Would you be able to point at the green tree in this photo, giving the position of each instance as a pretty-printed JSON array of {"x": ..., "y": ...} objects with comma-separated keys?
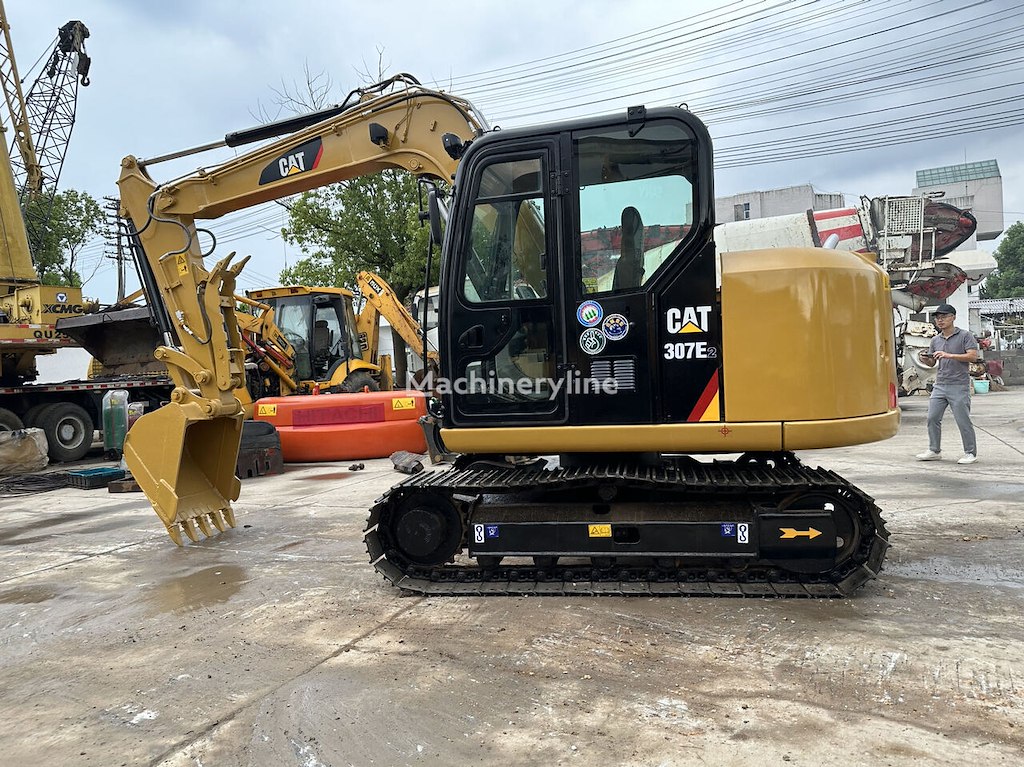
[
  {"x": 366, "y": 223},
  {"x": 74, "y": 220},
  {"x": 1007, "y": 281}
]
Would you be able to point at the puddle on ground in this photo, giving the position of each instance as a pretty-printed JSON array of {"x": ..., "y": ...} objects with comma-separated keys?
[
  {"x": 30, "y": 595},
  {"x": 206, "y": 587}
]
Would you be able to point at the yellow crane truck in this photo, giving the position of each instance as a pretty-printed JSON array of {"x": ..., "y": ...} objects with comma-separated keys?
[{"x": 41, "y": 121}]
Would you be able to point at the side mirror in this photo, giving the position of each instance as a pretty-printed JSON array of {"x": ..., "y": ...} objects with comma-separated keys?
[{"x": 434, "y": 214}]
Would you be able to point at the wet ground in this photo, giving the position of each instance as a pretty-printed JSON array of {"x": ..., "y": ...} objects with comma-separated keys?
[{"x": 277, "y": 644}]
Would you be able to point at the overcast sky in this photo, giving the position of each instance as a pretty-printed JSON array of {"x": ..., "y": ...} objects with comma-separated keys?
[{"x": 922, "y": 83}]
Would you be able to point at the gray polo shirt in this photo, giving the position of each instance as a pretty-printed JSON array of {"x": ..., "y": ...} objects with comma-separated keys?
[{"x": 953, "y": 372}]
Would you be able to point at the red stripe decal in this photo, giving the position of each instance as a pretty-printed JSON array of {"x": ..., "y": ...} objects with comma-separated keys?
[
  {"x": 827, "y": 214},
  {"x": 845, "y": 232},
  {"x": 705, "y": 399}
]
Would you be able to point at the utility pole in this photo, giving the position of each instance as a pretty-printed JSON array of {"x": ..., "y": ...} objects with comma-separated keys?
[{"x": 115, "y": 242}]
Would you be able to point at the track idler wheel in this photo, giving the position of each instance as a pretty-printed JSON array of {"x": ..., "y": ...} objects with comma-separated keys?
[
  {"x": 427, "y": 530},
  {"x": 845, "y": 535}
]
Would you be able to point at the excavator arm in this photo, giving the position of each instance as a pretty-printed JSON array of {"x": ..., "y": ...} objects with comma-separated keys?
[
  {"x": 381, "y": 301},
  {"x": 183, "y": 455}
]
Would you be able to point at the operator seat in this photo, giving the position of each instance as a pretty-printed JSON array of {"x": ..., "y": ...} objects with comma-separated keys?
[
  {"x": 320, "y": 351},
  {"x": 629, "y": 269},
  {"x": 321, "y": 337}
]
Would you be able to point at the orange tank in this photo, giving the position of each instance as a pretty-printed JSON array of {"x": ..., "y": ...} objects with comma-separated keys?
[{"x": 342, "y": 427}]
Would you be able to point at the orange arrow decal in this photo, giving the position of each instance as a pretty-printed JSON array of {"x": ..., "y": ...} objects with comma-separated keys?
[{"x": 790, "y": 532}]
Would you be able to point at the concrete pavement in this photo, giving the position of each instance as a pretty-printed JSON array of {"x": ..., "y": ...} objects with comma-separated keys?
[{"x": 277, "y": 644}]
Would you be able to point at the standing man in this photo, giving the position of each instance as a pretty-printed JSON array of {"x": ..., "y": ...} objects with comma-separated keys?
[{"x": 954, "y": 349}]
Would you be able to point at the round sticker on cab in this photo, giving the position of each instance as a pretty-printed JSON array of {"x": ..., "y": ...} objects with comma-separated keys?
[
  {"x": 616, "y": 327},
  {"x": 590, "y": 314},
  {"x": 592, "y": 341}
]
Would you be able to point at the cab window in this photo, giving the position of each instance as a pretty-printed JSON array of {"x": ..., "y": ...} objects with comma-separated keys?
[
  {"x": 636, "y": 201},
  {"x": 507, "y": 258}
]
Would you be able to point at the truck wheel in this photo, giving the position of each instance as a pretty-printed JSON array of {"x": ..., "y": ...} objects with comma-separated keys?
[
  {"x": 68, "y": 430},
  {"x": 357, "y": 381},
  {"x": 31, "y": 417},
  {"x": 9, "y": 421}
]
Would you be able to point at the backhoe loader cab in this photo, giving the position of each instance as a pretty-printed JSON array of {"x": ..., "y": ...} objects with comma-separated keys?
[{"x": 320, "y": 324}]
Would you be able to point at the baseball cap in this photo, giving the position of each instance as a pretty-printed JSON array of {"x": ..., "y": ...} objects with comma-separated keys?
[{"x": 945, "y": 309}]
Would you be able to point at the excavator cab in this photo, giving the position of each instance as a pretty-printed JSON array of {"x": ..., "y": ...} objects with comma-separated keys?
[
  {"x": 581, "y": 292},
  {"x": 561, "y": 245}
]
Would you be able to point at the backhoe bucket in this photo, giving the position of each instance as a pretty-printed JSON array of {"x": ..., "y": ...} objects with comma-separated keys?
[
  {"x": 194, "y": 458},
  {"x": 122, "y": 340}
]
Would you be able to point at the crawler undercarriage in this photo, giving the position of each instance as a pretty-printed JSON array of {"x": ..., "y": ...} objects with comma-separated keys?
[{"x": 762, "y": 525}]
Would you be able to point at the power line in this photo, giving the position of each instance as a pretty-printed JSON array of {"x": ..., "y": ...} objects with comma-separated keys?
[{"x": 740, "y": 65}]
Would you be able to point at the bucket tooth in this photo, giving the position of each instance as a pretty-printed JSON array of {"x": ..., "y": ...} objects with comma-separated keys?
[
  {"x": 229, "y": 516},
  {"x": 190, "y": 530},
  {"x": 204, "y": 525},
  {"x": 218, "y": 520},
  {"x": 175, "y": 532}
]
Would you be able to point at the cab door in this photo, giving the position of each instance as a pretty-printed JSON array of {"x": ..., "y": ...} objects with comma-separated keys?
[
  {"x": 505, "y": 335},
  {"x": 635, "y": 187}
]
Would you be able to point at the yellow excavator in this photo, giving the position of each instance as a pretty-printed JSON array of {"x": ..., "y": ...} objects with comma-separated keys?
[{"x": 584, "y": 381}]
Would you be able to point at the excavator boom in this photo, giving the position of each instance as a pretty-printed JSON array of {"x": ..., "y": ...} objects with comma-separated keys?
[{"x": 183, "y": 455}]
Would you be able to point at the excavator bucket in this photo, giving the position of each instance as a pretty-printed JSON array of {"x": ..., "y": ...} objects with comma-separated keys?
[{"x": 184, "y": 461}]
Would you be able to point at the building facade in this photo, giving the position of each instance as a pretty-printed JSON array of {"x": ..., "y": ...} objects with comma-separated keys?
[{"x": 774, "y": 202}]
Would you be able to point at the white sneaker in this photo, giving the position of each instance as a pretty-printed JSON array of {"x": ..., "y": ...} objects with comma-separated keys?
[
  {"x": 968, "y": 458},
  {"x": 929, "y": 455}
]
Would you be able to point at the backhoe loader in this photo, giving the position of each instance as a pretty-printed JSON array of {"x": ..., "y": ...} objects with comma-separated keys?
[
  {"x": 304, "y": 339},
  {"x": 585, "y": 391}
]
